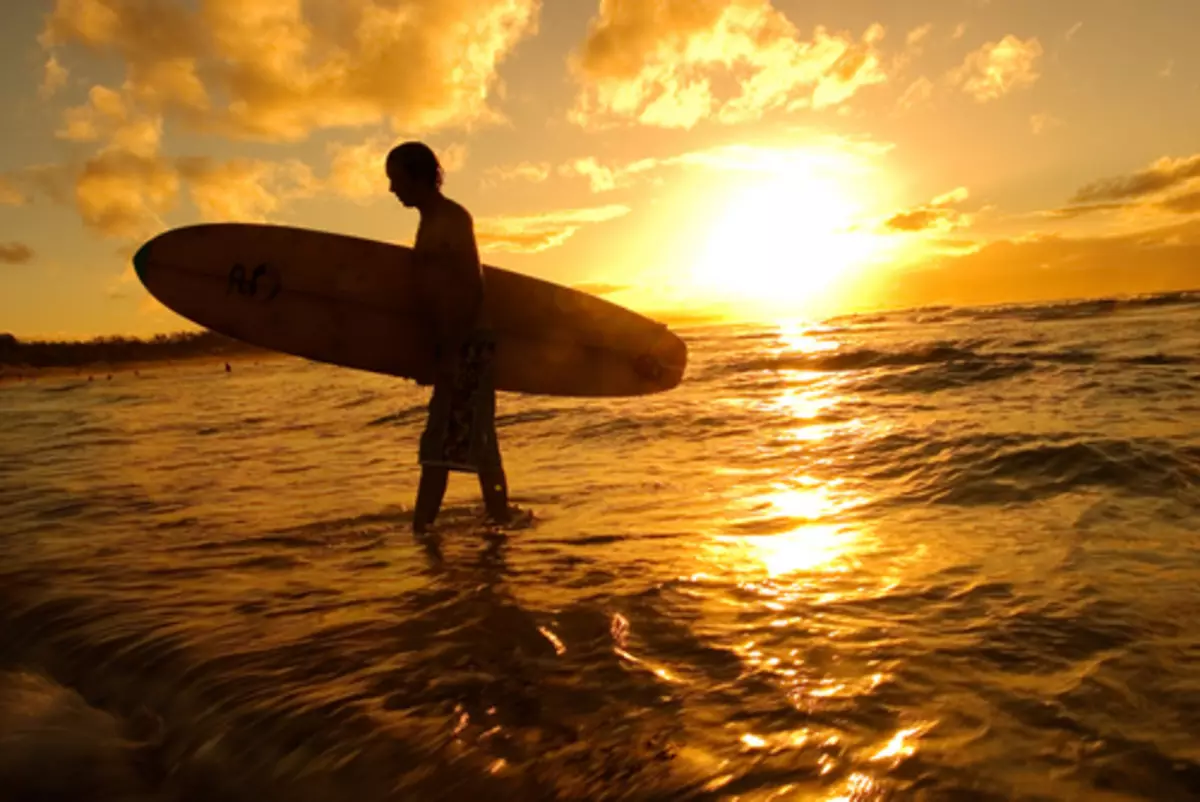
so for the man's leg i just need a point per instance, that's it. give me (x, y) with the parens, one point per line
(430, 493)
(494, 486)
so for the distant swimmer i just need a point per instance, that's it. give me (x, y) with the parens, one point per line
(228, 369)
(460, 430)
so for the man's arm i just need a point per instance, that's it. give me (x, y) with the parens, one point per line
(457, 275)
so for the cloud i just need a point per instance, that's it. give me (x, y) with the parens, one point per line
(918, 93)
(1187, 203)
(118, 194)
(540, 232)
(599, 288)
(356, 169)
(244, 190)
(603, 178)
(15, 253)
(1162, 175)
(1072, 31)
(999, 68)
(525, 171)
(1050, 267)
(937, 215)
(662, 64)
(1041, 123)
(11, 194)
(54, 181)
(54, 77)
(453, 157)
(917, 36)
(123, 195)
(272, 70)
(922, 220)
(112, 116)
(829, 154)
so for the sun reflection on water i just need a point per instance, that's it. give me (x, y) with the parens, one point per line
(785, 530)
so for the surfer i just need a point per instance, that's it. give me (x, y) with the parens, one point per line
(460, 431)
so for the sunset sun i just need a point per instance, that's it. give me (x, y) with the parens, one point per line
(783, 242)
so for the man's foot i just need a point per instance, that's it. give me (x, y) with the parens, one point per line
(513, 517)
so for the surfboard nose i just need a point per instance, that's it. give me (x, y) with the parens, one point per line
(141, 261)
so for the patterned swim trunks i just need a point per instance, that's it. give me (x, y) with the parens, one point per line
(460, 432)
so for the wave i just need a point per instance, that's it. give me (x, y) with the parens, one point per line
(1028, 311)
(1079, 309)
(1003, 469)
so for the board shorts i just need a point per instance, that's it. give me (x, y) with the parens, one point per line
(460, 432)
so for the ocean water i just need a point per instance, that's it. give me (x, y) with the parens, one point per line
(939, 554)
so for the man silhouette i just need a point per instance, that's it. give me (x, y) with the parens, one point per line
(460, 431)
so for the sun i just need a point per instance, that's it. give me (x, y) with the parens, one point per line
(783, 242)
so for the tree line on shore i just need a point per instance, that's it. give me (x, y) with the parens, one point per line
(115, 350)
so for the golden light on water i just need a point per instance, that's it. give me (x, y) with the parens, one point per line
(786, 533)
(809, 548)
(901, 745)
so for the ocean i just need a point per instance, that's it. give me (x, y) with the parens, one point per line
(936, 554)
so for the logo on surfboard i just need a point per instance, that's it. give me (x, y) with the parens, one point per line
(249, 286)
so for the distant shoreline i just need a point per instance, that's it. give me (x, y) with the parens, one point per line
(105, 356)
(102, 371)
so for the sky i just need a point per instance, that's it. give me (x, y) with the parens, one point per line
(745, 159)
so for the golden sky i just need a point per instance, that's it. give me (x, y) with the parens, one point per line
(755, 158)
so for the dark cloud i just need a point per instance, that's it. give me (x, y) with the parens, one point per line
(1071, 212)
(919, 219)
(1187, 203)
(1164, 174)
(15, 253)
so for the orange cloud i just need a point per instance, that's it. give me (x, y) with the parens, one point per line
(1041, 123)
(603, 178)
(284, 69)
(54, 77)
(937, 215)
(917, 36)
(525, 171)
(244, 190)
(599, 288)
(918, 93)
(119, 193)
(356, 170)
(15, 253)
(998, 68)
(1049, 267)
(10, 193)
(657, 63)
(540, 232)
(112, 116)
(831, 153)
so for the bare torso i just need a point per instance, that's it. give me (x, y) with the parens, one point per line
(451, 275)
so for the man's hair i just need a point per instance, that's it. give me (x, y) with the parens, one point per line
(419, 161)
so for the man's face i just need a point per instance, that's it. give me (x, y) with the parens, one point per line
(402, 186)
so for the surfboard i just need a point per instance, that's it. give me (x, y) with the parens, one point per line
(351, 301)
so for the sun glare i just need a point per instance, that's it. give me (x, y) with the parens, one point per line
(784, 242)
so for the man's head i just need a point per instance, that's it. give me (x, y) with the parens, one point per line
(414, 173)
